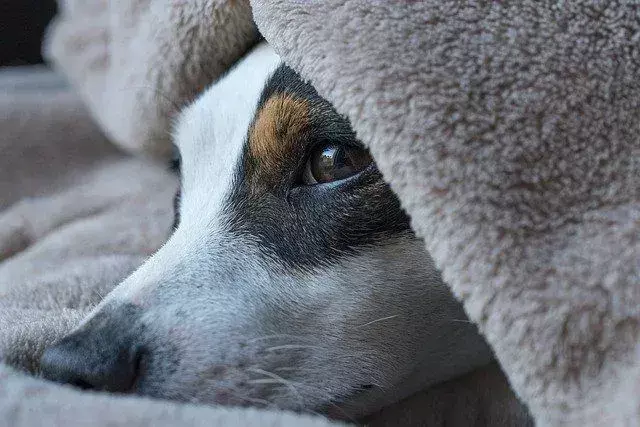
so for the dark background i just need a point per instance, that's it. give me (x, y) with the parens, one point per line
(22, 25)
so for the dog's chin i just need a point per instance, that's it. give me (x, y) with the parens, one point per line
(363, 401)
(357, 404)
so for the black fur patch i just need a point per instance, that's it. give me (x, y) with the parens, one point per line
(174, 166)
(307, 225)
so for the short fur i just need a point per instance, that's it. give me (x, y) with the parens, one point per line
(310, 298)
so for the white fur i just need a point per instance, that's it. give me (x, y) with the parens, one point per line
(239, 328)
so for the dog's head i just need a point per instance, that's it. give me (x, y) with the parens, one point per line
(292, 278)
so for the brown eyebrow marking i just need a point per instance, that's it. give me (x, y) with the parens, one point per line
(277, 130)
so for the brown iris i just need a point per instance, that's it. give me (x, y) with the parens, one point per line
(335, 162)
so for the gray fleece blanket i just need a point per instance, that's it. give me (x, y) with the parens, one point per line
(509, 130)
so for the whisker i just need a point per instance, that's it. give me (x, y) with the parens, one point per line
(274, 336)
(265, 381)
(293, 347)
(267, 373)
(278, 379)
(294, 369)
(315, 389)
(379, 320)
(253, 399)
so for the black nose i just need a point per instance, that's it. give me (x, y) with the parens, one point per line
(100, 357)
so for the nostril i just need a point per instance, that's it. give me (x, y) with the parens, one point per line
(140, 361)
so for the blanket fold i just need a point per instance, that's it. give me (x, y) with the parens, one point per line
(509, 130)
(136, 63)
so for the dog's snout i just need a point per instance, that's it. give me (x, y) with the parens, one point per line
(105, 357)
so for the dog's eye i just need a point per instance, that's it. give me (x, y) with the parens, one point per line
(335, 162)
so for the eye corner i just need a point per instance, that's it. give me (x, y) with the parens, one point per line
(307, 176)
(175, 161)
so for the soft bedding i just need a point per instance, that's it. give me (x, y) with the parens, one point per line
(509, 131)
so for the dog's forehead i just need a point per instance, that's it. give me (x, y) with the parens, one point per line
(212, 131)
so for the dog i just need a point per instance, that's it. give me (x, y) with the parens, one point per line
(292, 278)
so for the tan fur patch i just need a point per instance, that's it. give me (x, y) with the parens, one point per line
(280, 124)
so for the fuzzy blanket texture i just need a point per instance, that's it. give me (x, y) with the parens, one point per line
(509, 130)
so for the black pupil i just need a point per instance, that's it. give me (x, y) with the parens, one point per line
(334, 163)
